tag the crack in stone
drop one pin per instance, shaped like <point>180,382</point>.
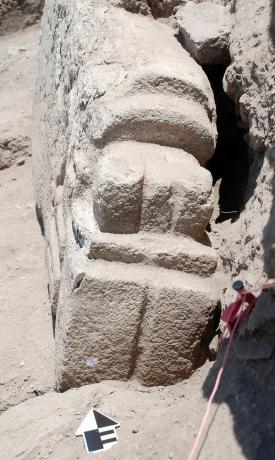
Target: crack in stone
<point>136,347</point>
<point>78,281</point>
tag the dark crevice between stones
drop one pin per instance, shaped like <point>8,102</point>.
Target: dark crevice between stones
<point>78,281</point>
<point>156,8</point>
<point>136,343</point>
<point>53,312</point>
<point>230,162</point>
<point>53,324</point>
<point>61,176</point>
<point>212,330</point>
<point>272,24</point>
<point>78,236</point>
<point>180,38</point>
<point>40,220</point>
<point>162,8</point>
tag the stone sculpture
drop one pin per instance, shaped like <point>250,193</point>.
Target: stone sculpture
<point>125,122</point>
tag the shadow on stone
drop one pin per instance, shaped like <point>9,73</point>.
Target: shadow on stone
<point>252,405</point>
<point>230,162</point>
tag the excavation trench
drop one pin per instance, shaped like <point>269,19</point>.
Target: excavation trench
<point>230,162</point>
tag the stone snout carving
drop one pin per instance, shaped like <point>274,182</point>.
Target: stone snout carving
<point>136,289</point>
<point>147,188</point>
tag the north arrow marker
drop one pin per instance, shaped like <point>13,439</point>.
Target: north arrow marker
<point>98,431</point>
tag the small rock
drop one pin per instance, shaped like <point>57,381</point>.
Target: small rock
<point>91,362</point>
<point>206,29</point>
<point>20,162</point>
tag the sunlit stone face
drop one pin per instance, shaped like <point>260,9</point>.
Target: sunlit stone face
<point>143,187</point>
<point>136,289</point>
<point>150,129</point>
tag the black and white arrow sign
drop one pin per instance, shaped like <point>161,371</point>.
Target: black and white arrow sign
<point>98,431</point>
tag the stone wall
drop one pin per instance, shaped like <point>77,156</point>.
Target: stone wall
<point>249,81</point>
<point>212,35</point>
<point>124,123</point>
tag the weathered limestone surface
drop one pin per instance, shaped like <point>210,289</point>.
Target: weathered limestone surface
<point>122,132</point>
<point>206,28</point>
<point>250,81</point>
<point>250,77</point>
